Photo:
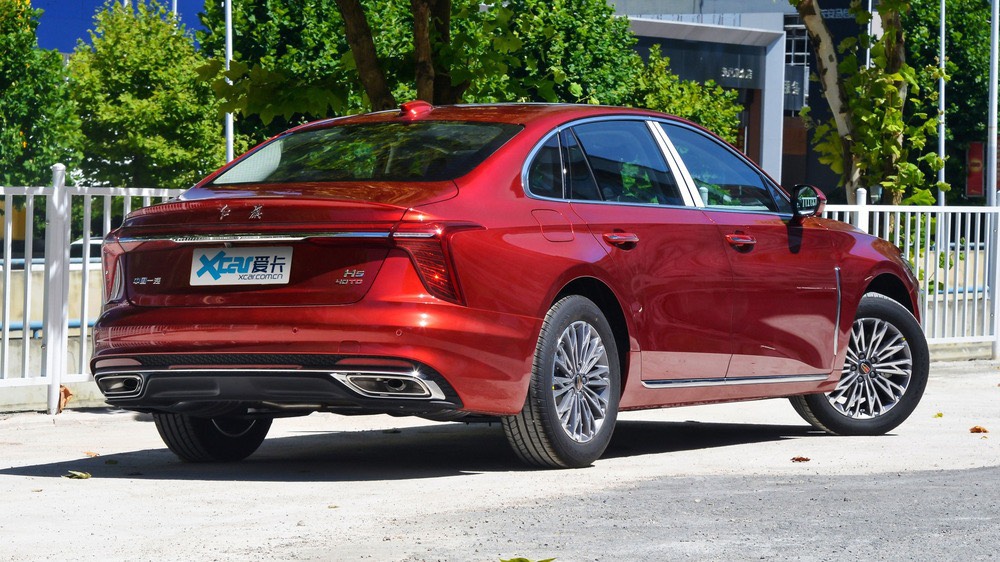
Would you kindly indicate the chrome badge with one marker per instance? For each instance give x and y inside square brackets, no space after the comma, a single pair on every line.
[257,212]
[224,212]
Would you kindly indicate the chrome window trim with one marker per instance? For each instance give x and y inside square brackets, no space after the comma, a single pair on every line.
[771,187]
[649,120]
[677,168]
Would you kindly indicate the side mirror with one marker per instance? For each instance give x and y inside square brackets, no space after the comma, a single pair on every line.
[807,201]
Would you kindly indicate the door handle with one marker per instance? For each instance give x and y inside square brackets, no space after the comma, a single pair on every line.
[622,239]
[740,240]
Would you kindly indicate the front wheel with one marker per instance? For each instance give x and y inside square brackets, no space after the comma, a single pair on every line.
[884,375]
[572,403]
[221,439]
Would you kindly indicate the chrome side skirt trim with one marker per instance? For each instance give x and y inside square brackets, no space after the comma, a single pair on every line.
[249,237]
[732,381]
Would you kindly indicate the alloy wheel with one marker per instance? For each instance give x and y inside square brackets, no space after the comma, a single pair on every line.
[581,381]
[877,371]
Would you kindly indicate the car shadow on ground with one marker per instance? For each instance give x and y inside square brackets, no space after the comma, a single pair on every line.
[431,451]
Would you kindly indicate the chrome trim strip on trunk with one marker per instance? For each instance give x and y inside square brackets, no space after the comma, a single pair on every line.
[250,237]
[690,383]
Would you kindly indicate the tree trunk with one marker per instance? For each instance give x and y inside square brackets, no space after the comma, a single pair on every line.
[432,26]
[895,52]
[422,51]
[444,91]
[833,90]
[359,37]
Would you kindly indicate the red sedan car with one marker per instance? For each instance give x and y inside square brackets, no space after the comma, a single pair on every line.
[548,264]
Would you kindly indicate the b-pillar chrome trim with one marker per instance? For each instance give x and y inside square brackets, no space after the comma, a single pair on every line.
[732,381]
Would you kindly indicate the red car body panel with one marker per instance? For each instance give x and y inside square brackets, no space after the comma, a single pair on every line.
[691,306]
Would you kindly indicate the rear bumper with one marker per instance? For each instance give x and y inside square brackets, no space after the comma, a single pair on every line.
[480,360]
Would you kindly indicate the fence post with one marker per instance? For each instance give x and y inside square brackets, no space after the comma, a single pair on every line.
[861,198]
[993,279]
[55,338]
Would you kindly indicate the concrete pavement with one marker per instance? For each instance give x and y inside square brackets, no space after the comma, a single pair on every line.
[695,483]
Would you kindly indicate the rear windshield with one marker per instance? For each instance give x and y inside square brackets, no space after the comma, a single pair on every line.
[421,151]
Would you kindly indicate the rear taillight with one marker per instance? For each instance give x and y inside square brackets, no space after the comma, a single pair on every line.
[429,248]
[114,280]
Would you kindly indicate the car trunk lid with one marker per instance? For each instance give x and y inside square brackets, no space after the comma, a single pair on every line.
[304,250]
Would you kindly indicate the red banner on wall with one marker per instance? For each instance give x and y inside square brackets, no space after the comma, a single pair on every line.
[975,170]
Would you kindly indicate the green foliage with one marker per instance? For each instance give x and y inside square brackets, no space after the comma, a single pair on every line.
[887,142]
[150,121]
[570,51]
[709,104]
[38,127]
[292,62]
[967,65]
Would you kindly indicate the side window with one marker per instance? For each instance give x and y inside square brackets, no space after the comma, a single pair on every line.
[545,173]
[723,179]
[627,163]
[581,181]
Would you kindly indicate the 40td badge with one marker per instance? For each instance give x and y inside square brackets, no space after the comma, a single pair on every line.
[241,266]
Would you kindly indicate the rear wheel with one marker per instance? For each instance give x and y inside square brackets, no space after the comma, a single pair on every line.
[220,439]
[572,403]
[884,375]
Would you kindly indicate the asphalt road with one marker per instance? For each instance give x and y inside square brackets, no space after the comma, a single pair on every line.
[698,483]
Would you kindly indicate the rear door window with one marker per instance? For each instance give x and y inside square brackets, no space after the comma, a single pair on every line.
[626,163]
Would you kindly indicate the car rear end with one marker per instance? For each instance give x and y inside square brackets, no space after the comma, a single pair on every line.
[304,277]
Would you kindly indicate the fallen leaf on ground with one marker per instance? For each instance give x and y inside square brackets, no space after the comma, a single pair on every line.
[939,415]
[978,429]
[91,454]
[64,396]
[801,459]
[76,475]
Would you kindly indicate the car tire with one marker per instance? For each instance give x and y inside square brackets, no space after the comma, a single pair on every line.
[572,403]
[884,375]
[221,439]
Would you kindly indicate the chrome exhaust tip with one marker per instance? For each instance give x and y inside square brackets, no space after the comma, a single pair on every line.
[390,385]
[119,386]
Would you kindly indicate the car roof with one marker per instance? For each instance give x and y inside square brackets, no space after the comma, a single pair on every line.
[512,113]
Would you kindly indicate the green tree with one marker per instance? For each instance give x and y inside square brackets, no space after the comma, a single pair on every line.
[148,118]
[710,105]
[37,124]
[967,24]
[297,60]
[570,51]
[871,139]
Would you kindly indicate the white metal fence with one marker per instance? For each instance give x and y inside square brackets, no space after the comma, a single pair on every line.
[49,299]
[44,338]
[953,251]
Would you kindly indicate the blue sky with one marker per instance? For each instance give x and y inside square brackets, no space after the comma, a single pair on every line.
[66,21]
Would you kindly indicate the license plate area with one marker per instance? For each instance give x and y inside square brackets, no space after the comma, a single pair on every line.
[217,267]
